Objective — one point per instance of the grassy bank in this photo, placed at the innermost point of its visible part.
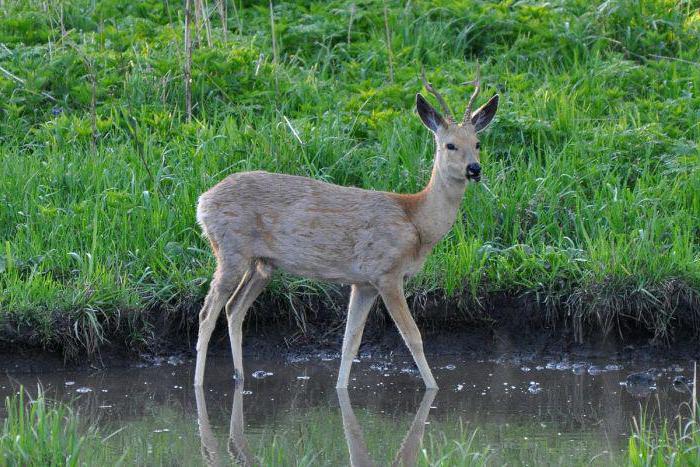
(591, 197)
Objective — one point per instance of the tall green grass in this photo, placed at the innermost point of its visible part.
(667, 445)
(591, 194)
(38, 432)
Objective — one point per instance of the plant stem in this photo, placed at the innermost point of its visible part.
(390, 55)
(352, 17)
(188, 60)
(274, 46)
(224, 18)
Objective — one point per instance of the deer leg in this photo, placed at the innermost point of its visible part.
(361, 299)
(219, 291)
(237, 307)
(395, 302)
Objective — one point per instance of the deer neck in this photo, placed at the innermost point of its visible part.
(436, 207)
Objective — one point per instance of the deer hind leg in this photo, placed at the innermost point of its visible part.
(251, 286)
(222, 286)
(361, 299)
(395, 302)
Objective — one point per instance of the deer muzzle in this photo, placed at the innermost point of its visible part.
(474, 171)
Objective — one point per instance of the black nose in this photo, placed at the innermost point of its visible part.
(474, 169)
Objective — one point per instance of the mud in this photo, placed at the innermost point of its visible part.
(499, 326)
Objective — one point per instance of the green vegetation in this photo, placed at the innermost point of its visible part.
(40, 433)
(591, 197)
(679, 446)
(44, 432)
(666, 446)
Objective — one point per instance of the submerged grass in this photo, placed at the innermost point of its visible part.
(591, 195)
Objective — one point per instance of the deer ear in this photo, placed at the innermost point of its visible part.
(430, 117)
(484, 114)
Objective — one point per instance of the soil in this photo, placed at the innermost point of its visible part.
(505, 327)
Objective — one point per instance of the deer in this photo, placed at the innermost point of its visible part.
(258, 222)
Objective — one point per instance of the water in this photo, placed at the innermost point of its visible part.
(532, 412)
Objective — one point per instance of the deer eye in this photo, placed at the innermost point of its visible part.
(478, 145)
(451, 146)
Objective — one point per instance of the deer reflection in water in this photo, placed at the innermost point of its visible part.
(407, 453)
(237, 445)
(239, 452)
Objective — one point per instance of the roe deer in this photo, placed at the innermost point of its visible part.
(258, 221)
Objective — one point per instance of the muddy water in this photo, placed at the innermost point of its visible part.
(526, 412)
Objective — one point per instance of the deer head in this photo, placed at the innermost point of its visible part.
(457, 155)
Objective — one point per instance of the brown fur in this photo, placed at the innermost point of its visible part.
(260, 221)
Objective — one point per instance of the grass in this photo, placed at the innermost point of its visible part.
(667, 446)
(651, 445)
(44, 432)
(591, 198)
(38, 431)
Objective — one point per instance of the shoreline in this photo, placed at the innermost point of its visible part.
(497, 325)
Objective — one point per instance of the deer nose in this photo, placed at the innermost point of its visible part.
(474, 170)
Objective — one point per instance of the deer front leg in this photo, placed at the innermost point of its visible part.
(361, 299)
(393, 297)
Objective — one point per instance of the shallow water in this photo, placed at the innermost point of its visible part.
(527, 412)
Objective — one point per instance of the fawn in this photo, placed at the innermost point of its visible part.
(257, 222)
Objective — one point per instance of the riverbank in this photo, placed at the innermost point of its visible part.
(587, 215)
(500, 327)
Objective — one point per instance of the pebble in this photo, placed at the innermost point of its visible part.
(260, 374)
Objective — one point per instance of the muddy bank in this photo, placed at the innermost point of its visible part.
(495, 326)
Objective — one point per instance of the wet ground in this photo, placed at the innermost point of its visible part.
(532, 411)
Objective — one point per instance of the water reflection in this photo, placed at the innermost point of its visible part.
(407, 453)
(297, 413)
(237, 445)
(239, 452)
